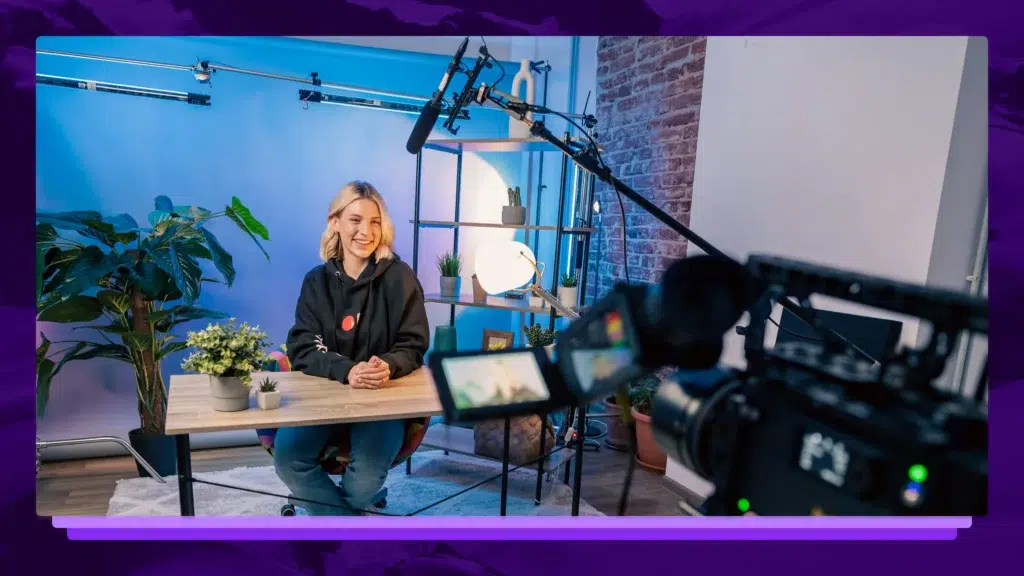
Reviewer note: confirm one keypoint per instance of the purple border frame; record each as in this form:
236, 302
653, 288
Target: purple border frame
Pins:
990, 541
510, 528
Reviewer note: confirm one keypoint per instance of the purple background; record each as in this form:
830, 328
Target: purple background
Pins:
31, 542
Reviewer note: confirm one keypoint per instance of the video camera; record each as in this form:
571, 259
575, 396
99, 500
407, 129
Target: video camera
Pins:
807, 428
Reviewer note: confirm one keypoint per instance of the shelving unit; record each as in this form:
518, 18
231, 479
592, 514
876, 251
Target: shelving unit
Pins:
507, 145
460, 440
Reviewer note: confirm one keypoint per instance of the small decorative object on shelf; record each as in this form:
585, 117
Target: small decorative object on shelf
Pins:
267, 396
536, 335
450, 266
567, 294
515, 213
479, 295
516, 128
228, 354
497, 340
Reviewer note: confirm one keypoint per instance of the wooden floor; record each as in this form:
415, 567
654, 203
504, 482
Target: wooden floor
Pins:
84, 487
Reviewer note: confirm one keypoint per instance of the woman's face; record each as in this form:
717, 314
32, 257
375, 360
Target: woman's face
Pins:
359, 227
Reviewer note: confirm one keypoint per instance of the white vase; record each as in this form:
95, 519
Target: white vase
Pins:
268, 400
228, 394
537, 302
524, 77
550, 349
567, 296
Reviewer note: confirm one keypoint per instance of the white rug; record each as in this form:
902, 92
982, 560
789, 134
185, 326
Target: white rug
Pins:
434, 477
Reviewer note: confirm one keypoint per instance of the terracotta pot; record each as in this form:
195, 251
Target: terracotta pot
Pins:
648, 454
617, 437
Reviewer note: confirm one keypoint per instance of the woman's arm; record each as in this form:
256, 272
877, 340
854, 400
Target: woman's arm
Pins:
413, 329
306, 349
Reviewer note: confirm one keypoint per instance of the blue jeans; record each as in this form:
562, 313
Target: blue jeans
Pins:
374, 447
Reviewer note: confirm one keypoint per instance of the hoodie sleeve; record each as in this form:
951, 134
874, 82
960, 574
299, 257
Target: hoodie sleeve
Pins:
306, 349
413, 335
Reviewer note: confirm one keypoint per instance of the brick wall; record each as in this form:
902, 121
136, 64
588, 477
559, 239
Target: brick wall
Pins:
648, 108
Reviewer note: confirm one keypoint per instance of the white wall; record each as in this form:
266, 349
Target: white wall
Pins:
859, 153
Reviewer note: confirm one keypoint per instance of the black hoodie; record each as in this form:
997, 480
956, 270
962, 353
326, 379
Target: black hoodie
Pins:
340, 322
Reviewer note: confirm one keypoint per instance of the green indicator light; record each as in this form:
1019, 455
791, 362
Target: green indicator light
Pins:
918, 473
743, 504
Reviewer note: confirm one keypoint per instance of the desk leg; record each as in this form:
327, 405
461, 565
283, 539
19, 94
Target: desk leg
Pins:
184, 456
540, 463
504, 466
578, 479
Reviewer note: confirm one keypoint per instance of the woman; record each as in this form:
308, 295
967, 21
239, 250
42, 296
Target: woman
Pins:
360, 320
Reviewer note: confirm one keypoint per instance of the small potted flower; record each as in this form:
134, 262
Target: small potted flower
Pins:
228, 354
567, 293
450, 266
267, 396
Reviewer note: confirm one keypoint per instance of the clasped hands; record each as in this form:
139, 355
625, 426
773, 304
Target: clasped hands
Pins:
374, 373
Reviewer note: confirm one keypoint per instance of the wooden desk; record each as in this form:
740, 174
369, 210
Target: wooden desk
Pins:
305, 401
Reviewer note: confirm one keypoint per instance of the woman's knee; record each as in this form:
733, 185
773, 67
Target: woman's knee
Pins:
297, 449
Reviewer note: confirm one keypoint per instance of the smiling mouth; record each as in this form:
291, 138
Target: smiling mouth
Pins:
362, 242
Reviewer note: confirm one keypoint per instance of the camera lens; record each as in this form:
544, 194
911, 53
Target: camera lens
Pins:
683, 413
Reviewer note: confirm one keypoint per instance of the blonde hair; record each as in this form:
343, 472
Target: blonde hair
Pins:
330, 241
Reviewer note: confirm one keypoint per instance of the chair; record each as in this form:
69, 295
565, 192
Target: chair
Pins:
334, 457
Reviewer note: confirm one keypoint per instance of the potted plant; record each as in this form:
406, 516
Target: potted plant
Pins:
450, 266
267, 396
648, 453
515, 213
538, 336
139, 284
228, 354
567, 294
617, 436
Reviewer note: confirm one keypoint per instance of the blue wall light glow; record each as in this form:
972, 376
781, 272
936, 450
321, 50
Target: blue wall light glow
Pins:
257, 141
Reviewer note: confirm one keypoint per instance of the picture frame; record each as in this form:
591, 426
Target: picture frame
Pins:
498, 340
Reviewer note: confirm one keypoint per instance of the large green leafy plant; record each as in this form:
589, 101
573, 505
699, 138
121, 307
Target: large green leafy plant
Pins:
130, 286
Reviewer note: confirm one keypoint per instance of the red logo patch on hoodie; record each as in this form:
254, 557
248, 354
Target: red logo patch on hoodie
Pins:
348, 323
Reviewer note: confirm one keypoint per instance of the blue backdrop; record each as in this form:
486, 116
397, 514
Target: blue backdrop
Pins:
257, 141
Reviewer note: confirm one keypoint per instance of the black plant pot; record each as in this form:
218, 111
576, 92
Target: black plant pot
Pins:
157, 449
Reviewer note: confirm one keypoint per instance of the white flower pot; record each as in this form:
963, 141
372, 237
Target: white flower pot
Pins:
537, 302
268, 400
567, 296
228, 394
550, 349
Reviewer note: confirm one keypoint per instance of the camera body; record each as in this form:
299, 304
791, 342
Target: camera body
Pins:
813, 428
808, 427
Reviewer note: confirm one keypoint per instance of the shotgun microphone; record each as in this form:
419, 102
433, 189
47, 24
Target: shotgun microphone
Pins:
432, 109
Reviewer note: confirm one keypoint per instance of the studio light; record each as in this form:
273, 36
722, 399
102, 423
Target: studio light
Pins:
365, 103
506, 266
111, 88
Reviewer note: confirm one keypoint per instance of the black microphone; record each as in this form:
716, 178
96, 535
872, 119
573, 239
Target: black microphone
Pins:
432, 109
